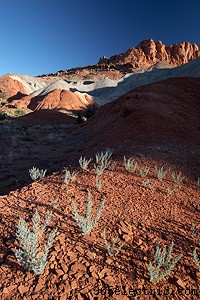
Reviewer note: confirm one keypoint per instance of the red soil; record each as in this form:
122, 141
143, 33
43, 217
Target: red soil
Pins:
46, 116
157, 125
165, 111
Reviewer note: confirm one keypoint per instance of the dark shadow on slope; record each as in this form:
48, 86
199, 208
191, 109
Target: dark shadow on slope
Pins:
18, 96
159, 121
85, 113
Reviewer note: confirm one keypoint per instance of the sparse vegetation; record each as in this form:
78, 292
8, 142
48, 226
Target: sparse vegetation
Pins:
148, 184
129, 166
19, 113
3, 96
112, 166
30, 253
86, 224
144, 171
171, 191
161, 173
103, 157
84, 162
111, 247
36, 173
69, 176
177, 177
83, 115
33, 257
195, 255
163, 264
99, 183
99, 169
103, 161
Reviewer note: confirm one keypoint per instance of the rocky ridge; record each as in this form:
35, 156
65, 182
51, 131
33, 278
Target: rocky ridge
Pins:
148, 53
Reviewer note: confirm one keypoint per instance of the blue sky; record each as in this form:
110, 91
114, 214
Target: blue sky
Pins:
44, 36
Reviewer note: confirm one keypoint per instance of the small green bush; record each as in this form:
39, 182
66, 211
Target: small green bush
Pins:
177, 177
36, 173
84, 162
111, 247
69, 176
83, 115
30, 253
163, 263
86, 223
144, 172
195, 255
160, 173
103, 161
148, 184
99, 183
103, 157
19, 113
130, 165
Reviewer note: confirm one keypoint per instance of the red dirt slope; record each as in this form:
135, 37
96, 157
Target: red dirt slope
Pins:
79, 267
162, 112
46, 116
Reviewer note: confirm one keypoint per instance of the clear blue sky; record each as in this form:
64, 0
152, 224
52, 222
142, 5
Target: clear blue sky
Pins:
44, 36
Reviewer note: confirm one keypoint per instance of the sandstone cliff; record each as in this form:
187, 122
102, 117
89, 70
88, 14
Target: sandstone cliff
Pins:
148, 53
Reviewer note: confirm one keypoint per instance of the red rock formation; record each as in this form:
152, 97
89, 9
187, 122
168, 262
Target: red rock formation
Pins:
148, 53
10, 87
58, 99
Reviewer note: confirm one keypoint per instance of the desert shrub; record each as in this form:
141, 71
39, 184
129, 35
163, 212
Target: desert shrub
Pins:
111, 247
177, 177
84, 114
99, 183
196, 258
103, 161
148, 184
69, 176
160, 173
36, 173
30, 254
19, 113
99, 169
163, 263
195, 255
112, 166
103, 157
86, 223
144, 172
171, 191
3, 96
84, 162
130, 165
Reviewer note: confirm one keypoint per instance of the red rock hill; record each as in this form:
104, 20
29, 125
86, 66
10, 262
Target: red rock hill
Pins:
148, 53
